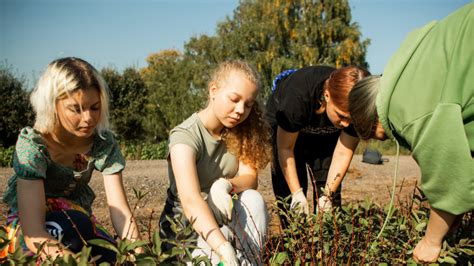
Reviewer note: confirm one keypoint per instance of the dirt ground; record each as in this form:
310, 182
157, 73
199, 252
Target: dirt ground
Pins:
362, 181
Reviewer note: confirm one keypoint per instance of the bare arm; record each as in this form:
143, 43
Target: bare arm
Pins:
341, 159
120, 213
32, 212
286, 157
183, 162
429, 247
246, 179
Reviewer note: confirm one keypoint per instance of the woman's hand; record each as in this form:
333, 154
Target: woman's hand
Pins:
32, 212
299, 203
220, 200
324, 204
227, 254
120, 212
183, 162
429, 248
426, 252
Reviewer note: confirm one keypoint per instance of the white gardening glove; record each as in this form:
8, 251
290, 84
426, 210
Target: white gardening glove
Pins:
299, 202
324, 204
220, 200
227, 254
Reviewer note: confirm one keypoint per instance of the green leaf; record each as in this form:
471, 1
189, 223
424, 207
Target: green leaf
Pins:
145, 260
104, 243
449, 260
84, 256
420, 227
348, 228
156, 243
279, 258
136, 244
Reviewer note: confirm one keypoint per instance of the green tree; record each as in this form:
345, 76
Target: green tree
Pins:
15, 108
175, 88
274, 35
278, 35
127, 103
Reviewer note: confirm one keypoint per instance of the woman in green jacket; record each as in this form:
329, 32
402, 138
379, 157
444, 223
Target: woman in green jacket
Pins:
424, 100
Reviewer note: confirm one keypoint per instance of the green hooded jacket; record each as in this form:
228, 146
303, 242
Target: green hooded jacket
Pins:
426, 103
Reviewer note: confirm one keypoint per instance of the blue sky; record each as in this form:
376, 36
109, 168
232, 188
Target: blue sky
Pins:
121, 33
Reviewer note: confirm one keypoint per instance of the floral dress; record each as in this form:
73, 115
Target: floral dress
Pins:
65, 188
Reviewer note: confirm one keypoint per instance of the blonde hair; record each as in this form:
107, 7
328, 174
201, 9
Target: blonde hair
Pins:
362, 106
61, 78
223, 70
249, 141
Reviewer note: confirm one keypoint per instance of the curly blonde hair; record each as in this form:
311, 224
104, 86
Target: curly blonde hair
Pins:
250, 140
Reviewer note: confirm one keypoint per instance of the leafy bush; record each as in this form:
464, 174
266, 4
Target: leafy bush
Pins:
179, 252
6, 156
128, 97
346, 235
145, 151
15, 110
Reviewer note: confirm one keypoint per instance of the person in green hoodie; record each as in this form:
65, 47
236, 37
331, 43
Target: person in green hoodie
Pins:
424, 101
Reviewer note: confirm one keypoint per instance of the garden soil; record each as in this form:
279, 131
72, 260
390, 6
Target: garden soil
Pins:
363, 181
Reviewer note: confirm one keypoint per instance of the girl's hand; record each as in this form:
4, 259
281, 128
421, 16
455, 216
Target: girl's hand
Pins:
324, 204
220, 200
227, 254
426, 252
299, 203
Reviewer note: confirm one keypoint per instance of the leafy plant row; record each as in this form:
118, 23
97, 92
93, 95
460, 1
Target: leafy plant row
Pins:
346, 235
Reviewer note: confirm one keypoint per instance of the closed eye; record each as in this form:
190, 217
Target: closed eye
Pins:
75, 108
341, 116
234, 98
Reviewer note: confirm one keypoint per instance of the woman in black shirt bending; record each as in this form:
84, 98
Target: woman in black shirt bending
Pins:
308, 112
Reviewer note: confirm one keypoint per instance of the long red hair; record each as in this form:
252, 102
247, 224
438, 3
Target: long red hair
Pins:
341, 82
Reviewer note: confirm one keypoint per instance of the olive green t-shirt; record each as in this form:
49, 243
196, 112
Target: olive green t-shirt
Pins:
213, 160
32, 161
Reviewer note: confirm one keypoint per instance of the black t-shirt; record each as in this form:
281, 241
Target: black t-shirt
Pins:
292, 106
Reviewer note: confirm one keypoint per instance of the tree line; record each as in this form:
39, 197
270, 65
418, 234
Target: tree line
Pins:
273, 35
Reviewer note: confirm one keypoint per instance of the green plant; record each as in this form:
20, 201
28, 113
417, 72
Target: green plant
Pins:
6, 156
145, 151
347, 235
15, 110
178, 251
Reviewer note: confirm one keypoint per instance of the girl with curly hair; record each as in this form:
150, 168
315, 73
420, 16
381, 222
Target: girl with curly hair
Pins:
214, 154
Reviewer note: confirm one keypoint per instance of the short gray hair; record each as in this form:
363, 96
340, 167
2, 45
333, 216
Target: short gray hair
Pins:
62, 77
362, 106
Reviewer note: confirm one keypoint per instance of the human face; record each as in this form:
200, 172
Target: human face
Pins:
232, 100
79, 112
339, 118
